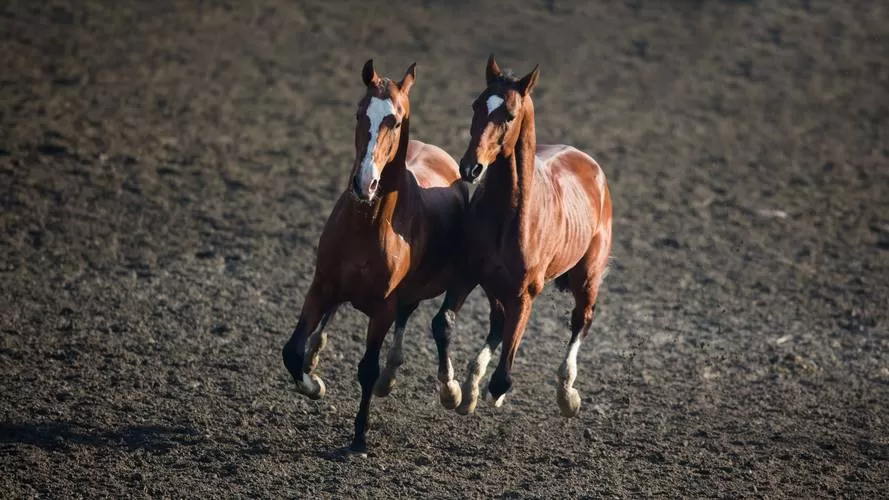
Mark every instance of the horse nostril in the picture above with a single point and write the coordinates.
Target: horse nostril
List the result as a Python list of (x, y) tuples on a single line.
[(476, 170), (373, 185)]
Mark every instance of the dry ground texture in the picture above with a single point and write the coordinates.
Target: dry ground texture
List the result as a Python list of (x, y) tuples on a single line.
[(166, 167)]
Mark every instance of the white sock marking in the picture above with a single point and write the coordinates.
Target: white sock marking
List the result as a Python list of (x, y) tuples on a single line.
[(481, 364), (494, 102), (377, 111), (571, 363), (448, 375)]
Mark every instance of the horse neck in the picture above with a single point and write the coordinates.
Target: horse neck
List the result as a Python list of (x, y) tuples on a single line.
[(511, 179), (525, 160)]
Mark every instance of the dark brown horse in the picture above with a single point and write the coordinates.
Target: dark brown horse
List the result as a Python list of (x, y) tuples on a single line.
[(389, 243), (540, 213)]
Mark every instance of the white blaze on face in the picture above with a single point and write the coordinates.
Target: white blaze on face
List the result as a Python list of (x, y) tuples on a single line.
[(494, 102), (377, 111)]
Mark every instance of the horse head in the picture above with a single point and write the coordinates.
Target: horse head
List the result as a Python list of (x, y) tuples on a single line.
[(381, 126)]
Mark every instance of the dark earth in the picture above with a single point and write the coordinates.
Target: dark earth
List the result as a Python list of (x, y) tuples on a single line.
[(166, 168)]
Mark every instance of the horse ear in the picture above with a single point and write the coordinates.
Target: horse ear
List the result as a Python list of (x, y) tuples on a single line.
[(526, 84), (369, 74), (408, 81), (492, 71)]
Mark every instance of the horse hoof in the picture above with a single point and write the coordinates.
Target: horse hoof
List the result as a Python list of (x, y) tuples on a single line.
[(469, 400), (383, 387), (569, 402), (358, 448), (450, 394), (499, 401), (311, 386)]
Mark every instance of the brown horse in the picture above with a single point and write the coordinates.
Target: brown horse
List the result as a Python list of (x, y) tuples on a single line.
[(540, 213), (389, 243)]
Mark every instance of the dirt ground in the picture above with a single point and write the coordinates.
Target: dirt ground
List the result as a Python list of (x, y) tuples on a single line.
[(166, 167)]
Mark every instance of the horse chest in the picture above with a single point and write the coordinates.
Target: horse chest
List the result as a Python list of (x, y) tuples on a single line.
[(506, 262), (499, 262), (364, 267), (384, 267)]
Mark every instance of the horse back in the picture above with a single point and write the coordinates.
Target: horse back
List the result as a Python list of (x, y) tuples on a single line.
[(431, 165), (574, 174)]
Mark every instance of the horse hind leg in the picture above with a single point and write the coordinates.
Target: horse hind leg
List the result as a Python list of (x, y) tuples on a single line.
[(584, 281), (395, 358), (567, 396)]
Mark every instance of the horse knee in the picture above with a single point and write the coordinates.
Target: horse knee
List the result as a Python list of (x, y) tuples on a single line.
[(443, 327)]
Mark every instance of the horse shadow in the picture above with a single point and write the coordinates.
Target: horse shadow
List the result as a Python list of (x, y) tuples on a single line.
[(61, 435)]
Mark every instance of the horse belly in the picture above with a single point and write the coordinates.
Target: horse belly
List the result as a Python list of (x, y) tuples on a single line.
[(565, 260), (424, 283), (577, 233)]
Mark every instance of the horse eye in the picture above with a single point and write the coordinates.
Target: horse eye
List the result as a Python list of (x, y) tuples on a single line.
[(398, 125)]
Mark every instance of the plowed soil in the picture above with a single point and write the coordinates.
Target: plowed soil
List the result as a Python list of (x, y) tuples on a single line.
[(166, 168)]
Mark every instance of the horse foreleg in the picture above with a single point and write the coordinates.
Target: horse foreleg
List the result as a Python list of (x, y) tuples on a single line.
[(384, 384), (443, 325), (317, 341), (516, 319), (478, 366), (369, 369), (314, 311)]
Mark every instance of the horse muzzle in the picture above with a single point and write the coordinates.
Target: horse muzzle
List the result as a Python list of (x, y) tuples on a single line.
[(472, 171), (364, 190)]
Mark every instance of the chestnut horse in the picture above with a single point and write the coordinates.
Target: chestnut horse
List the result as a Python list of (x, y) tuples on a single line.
[(540, 213), (389, 243)]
